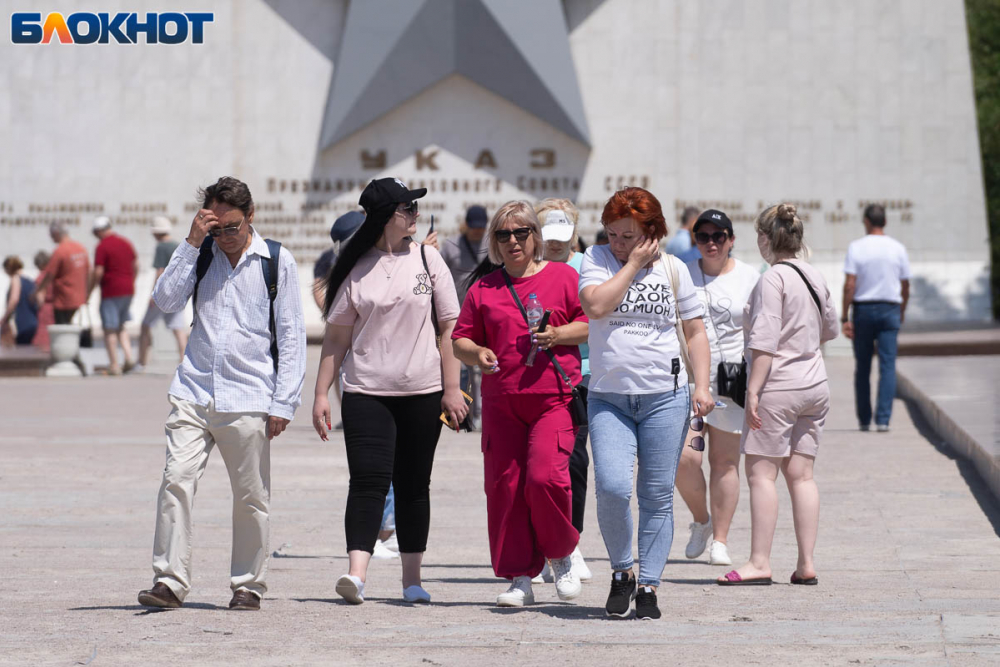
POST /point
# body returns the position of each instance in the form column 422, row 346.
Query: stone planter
column 65, row 346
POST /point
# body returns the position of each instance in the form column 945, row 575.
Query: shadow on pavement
column 467, row 580
column 691, row 582
column 564, row 611
column 980, row 491
column 150, row 610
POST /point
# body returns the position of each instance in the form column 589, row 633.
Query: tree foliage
column 983, row 18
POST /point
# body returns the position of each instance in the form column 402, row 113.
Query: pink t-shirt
column 491, row 318
column 781, row 318
column 387, row 300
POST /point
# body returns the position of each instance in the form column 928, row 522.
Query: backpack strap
column 205, row 257
column 270, row 268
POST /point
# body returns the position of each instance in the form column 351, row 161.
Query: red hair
column 640, row 205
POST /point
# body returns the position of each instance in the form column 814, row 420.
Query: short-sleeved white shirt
column 724, row 297
column 880, row 263
column 632, row 349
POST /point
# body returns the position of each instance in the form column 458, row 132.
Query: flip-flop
column 799, row 581
column 733, row 578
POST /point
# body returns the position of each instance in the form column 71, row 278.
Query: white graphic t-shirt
column 724, row 297
column 633, row 350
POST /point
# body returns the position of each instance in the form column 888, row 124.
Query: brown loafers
column 245, row 600
column 159, row 596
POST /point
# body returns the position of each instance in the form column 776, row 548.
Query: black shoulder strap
column 205, row 257
column 524, row 314
column 434, row 313
column 808, row 284
column 270, row 269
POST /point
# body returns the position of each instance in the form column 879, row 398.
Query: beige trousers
column 192, row 431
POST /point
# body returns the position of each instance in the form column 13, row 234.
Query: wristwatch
column 843, row 320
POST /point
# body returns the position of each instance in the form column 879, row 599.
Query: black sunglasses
column 411, row 207
column 718, row 238
column 697, row 424
column 231, row 230
column 521, row 234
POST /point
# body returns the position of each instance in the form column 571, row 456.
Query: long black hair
column 363, row 240
column 485, row 268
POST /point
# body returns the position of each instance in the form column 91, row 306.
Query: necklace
column 391, row 265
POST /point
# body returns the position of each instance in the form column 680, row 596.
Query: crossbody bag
column 578, row 400
column 730, row 376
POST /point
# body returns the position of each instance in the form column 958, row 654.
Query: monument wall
column 725, row 103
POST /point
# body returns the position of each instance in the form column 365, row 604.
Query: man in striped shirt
column 228, row 390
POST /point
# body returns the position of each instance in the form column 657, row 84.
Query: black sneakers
column 621, row 595
column 645, row 604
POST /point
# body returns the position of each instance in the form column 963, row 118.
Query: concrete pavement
column 908, row 557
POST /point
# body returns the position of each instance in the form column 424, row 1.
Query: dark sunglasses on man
column 521, row 234
column 718, row 238
column 229, row 230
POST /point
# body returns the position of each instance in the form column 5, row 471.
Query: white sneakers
column 700, row 532
column 719, row 554
column 351, row 588
column 386, row 549
column 416, row 594
column 518, row 595
column 568, row 585
column 882, row 428
column 545, row 576
column 580, row 568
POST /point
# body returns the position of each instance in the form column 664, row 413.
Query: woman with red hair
column 639, row 403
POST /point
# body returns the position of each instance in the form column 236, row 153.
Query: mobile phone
column 432, row 224
column 544, row 322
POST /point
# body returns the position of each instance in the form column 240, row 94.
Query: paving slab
column 958, row 397
column 908, row 557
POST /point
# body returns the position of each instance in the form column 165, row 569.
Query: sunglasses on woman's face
column 410, row 208
column 521, row 234
column 718, row 238
column 698, row 442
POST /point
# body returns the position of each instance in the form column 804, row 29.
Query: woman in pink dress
column 46, row 312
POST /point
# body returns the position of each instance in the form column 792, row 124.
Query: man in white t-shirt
column 877, row 287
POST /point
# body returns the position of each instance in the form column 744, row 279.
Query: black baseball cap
column 476, row 218
column 716, row 217
column 382, row 192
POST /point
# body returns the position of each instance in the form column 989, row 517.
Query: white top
column 386, row 300
column 724, row 297
column 632, row 349
column 228, row 357
column 880, row 263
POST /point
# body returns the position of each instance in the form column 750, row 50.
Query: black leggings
column 390, row 439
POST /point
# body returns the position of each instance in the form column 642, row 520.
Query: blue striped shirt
column 228, row 357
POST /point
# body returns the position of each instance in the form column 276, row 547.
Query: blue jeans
column 875, row 322
column 389, row 511
column 652, row 427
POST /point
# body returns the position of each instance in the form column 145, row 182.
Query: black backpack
column 270, row 269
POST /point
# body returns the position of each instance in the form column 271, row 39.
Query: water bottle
column 535, row 312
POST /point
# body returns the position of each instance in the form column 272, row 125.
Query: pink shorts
column 791, row 421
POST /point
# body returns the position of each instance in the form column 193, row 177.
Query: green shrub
column 983, row 17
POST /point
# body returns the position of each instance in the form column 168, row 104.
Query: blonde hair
column 781, row 225
column 521, row 211
column 543, row 207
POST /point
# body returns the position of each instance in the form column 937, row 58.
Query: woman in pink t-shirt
column 380, row 300
column 788, row 316
column 528, row 432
